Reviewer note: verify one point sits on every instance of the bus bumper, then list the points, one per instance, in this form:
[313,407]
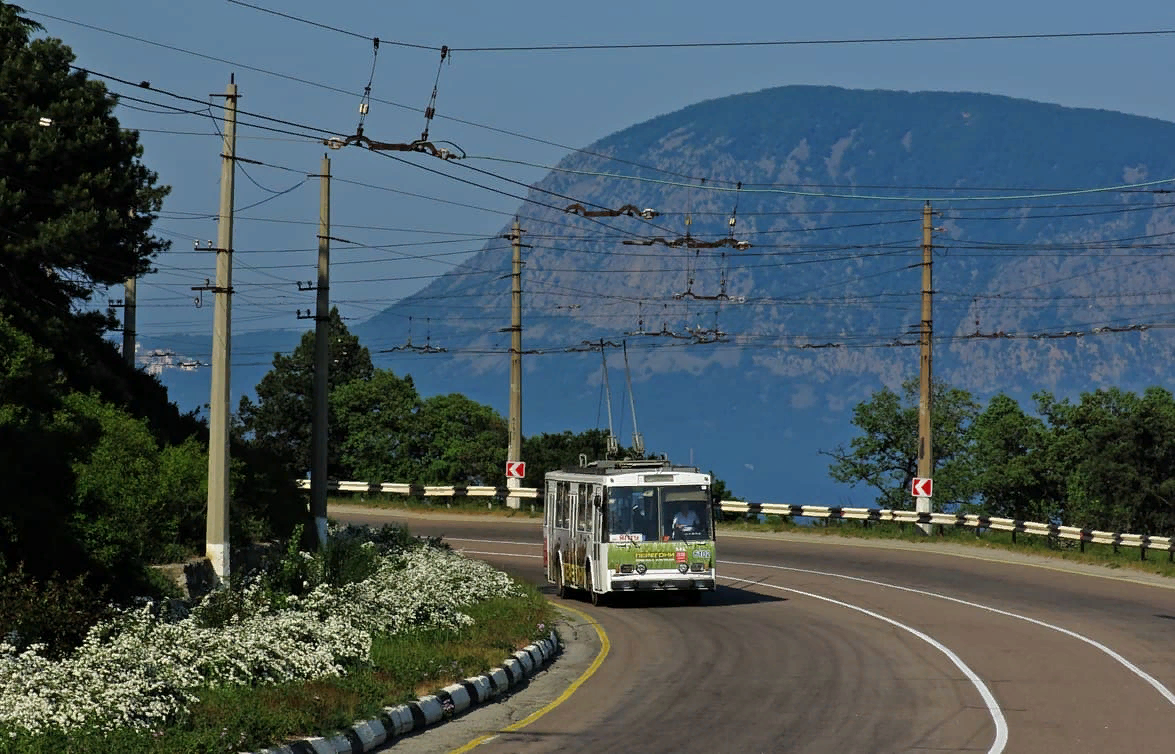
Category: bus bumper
[675,583]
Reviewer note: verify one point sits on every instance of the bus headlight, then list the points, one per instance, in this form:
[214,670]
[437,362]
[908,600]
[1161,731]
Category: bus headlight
[682,567]
[641,568]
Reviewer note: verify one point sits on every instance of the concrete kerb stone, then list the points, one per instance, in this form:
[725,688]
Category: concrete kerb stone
[454,699]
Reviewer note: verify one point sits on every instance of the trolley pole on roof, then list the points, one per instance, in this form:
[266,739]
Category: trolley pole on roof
[515,449]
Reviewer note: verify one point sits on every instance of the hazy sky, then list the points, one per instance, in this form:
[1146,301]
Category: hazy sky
[568,97]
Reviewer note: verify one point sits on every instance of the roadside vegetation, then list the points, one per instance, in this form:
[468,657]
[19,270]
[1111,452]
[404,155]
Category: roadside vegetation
[306,645]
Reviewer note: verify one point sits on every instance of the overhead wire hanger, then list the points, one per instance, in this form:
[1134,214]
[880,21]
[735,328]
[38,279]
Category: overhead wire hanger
[419,145]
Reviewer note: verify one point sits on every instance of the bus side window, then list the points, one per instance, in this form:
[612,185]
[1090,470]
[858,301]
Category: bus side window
[583,520]
[561,512]
[549,508]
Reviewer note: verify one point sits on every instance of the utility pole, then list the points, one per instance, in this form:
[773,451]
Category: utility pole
[318,443]
[128,321]
[217,538]
[925,449]
[514,452]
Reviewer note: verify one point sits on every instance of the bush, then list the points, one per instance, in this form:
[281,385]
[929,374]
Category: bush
[57,612]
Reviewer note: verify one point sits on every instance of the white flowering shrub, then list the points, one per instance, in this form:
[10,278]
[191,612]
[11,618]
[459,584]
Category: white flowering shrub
[143,669]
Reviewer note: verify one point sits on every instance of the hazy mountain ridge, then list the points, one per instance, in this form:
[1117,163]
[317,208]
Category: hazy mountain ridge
[847,142]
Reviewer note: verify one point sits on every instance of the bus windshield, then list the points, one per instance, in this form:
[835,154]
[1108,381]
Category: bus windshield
[664,513]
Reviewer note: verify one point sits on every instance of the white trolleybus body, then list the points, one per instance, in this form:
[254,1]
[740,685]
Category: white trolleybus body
[627,526]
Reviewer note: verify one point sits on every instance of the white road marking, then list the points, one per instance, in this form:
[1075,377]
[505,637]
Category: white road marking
[1158,686]
[506,554]
[993,707]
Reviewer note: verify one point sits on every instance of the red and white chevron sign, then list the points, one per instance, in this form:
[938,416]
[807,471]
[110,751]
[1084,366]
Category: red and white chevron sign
[515,469]
[921,487]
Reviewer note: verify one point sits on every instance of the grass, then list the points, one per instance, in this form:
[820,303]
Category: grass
[1095,554]
[471,506]
[403,668]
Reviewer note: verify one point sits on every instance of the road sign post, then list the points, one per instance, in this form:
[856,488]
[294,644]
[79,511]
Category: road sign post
[922,488]
[515,472]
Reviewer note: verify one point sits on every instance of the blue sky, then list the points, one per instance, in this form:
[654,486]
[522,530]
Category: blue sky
[571,98]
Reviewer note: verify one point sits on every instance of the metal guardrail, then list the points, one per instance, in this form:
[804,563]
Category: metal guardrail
[419,490]
[830,513]
[1072,533]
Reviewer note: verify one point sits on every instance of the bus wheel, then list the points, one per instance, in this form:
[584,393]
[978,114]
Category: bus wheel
[597,597]
[560,585]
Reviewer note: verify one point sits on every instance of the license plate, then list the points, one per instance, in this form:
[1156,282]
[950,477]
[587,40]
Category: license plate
[702,554]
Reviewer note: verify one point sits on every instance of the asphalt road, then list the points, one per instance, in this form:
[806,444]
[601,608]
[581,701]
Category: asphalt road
[810,646]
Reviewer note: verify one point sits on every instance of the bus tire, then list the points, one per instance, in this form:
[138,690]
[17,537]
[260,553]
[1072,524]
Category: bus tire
[597,598]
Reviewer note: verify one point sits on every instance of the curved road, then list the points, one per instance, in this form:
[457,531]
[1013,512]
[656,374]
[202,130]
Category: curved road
[814,647]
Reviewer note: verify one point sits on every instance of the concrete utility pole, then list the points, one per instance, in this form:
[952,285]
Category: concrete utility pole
[318,443]
[128,321]
[217,539]
[514,452]
[925,449]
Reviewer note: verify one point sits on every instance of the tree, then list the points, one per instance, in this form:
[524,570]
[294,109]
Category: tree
[281,420]
[377,418]
[76,203]
[551,451]
[36,454]
[885,457]
[1014,477]
[459,441]
[719,490]
[1116,451]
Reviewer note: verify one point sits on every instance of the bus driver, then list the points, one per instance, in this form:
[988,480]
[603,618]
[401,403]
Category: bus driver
[686,519]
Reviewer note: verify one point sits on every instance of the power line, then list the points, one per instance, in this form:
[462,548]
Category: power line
[694,45]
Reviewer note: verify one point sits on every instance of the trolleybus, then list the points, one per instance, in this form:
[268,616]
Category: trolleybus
[628,526]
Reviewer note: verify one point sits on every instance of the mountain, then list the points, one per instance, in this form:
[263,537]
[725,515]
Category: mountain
[827,186]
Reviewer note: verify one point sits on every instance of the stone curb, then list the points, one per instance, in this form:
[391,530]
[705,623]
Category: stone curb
[452,700]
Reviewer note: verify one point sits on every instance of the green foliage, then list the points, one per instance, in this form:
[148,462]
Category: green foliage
[719,490]
[552,451]
[35,460]
[182,481]
[459,441]
[885,456]
[1116,450]
[76,203]
[1101,463]
[377,419]
[281,420]
[117,515]
[1014,473]
[57,612]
